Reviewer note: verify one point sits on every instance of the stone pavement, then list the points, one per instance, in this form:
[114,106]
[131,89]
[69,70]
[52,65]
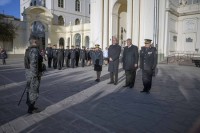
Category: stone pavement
[72,102]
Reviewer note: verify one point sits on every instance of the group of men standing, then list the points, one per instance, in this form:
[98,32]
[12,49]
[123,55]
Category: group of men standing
[67,57]
[33,63]
[130,59]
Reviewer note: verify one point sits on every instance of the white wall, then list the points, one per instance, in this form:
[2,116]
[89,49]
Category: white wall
[189,28]
[68,12]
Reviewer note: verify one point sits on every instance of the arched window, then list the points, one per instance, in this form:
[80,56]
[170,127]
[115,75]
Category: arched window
[60,20]
[61,3]
[61,42]
[31,4]
[77,6]
[35,3]
[77,39]
[77,21]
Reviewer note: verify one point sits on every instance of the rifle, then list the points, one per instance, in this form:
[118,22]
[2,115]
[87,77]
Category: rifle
[22,94]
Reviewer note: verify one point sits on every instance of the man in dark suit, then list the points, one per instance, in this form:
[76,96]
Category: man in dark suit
[72,56]
[49,53]
[77,55]
[83,55]
[55,56]
[60,57]
[113,54]
[130,63]
[66,55]
[148,62]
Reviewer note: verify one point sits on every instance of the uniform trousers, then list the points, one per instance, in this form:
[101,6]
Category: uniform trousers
[147,79]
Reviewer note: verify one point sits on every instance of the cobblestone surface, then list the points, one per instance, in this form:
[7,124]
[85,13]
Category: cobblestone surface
[72,102]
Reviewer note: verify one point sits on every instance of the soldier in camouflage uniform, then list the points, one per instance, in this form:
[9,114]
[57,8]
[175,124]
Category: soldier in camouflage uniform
[33,64]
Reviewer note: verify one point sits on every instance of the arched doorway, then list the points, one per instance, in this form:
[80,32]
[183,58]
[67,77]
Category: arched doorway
[61,42]
[87,41]
[38,29]
[119,19]
[77,39]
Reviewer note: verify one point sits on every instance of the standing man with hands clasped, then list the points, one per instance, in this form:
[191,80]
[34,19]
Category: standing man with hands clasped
[130,63]
[148,62]
[113,54]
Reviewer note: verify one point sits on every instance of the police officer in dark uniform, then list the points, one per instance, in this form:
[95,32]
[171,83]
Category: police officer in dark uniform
[49,53]
[67,56]
[113,54]
[148,62]
[55,56]
[72,56]
[77,55]
[60,57]
[83,55]
[97,59]
[33,64]
[130,63]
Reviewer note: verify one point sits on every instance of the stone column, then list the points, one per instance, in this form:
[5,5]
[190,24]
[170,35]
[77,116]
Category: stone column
[48,34]
[129,18]
[106,25]
[96,18]
[136,22]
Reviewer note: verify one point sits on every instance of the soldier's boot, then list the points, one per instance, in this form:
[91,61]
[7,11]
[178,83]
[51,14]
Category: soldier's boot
[32,109]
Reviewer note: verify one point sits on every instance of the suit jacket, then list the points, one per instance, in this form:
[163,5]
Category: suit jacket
[130,57]
[148,58]
[114,53]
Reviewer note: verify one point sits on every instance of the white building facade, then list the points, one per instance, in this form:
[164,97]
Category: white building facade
[70,11]
[173,25]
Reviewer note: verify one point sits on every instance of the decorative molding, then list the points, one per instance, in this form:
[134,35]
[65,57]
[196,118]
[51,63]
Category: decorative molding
[190,25]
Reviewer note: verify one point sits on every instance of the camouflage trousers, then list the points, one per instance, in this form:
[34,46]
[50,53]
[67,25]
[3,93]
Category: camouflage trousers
[32,87]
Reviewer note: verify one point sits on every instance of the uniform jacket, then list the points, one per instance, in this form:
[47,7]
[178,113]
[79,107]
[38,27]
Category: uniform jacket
[72,54]
[49,52]
[83,54]
[66,53]
[60,54]
[130,57]
[35,61]
[148,58]
[55,53]
[114,53]
[97,55]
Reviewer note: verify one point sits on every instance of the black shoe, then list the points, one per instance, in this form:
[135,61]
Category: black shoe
[148,92]
[125,86]
[97,80]
[32,110]
[115,83]
[110,82]
[143,91]
[130,86]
